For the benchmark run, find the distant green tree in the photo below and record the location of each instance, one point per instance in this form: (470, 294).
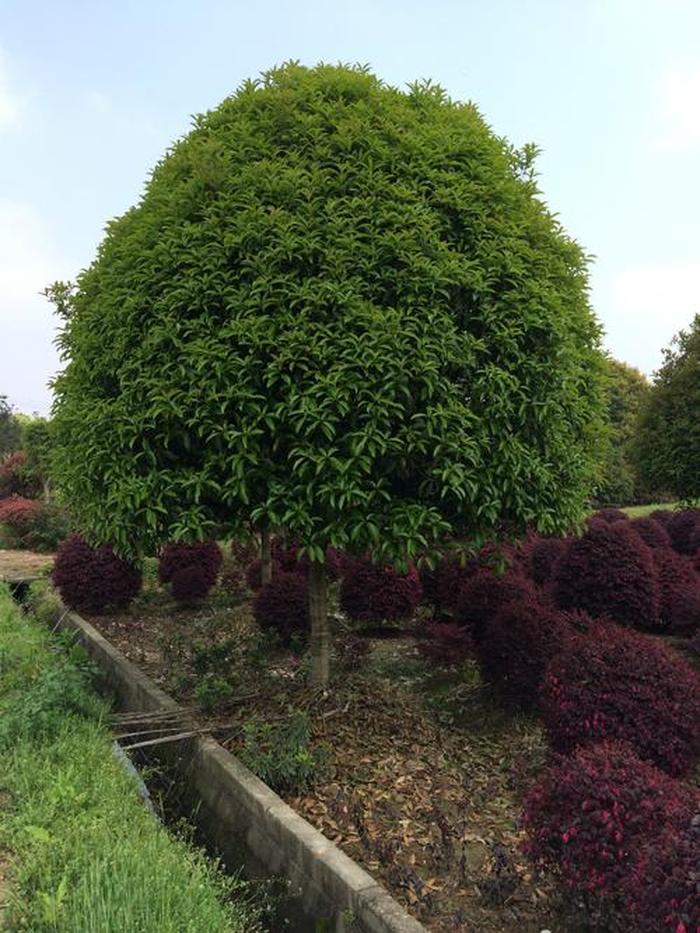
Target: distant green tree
(667, 446)
(9, 428)
(340, 310)
(37, 443)
(626, 392)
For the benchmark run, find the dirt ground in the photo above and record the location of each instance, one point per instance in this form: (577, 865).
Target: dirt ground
(14, 564)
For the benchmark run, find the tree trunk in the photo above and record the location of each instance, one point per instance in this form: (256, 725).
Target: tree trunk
(320, 635)
(47, 491)
(265, 556)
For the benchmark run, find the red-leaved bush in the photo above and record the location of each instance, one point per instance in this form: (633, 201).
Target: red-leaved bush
(663, 886)
(616, 683)
(446, 644)
(679, 586)
(543, 555)
(190, 569)
(19, 513)
(372, 593)
(609, 571)
(291, 561)
(14, 480)
(283, 605)
(652, 533)
(482, 596)
(610, 516)
(662, 516)
(91, 579)
(517, 646)
(590, 813)
(681, 528)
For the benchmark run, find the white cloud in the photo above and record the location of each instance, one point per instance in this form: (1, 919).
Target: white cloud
(9, 102)
(28, 262)
(646, 306)
(678, 109)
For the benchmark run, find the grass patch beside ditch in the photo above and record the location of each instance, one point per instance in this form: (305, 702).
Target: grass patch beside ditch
(84, 854)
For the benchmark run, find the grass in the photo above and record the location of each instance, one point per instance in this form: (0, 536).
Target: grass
(85, 855)
(638, 511)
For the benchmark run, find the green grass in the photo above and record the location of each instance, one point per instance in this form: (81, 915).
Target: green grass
(637, 511)
(85, 855)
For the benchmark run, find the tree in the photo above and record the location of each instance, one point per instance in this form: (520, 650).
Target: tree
(9, 428)
(667, 448)
(37, 441)
(626, 393)
(340, 310)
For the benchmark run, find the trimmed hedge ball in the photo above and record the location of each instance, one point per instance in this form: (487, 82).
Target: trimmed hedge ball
(609, 571)
(373, 594)
(616, 683)
(92, 579)
(485, 593)
(283, 605)
(590, 813)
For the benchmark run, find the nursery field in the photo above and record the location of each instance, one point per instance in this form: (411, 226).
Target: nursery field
(471, 710)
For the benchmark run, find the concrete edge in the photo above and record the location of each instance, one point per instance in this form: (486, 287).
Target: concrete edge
(238, 803)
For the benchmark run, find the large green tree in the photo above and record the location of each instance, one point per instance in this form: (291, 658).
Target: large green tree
(9, 428)
(667, 447)
(626, 391)
(341, 310)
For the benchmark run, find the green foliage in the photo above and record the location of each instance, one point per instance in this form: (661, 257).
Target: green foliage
(37, 443)
(626, 392)
(667, 449)
(86, 854)
(281, 755)
(338, 309)
(213, 692)
(9, 428)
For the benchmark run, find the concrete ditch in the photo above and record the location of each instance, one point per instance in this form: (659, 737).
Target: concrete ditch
(243, 820)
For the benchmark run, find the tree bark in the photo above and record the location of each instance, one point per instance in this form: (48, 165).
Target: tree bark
(320, 634)
(265, 556)
(47, 491)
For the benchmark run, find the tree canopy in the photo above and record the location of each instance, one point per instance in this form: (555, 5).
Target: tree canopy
(9, 428)
(338, 308)
(667, 447)
(626, 392)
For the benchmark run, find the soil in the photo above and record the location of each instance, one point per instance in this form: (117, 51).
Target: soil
(424, 769)
(15, 564)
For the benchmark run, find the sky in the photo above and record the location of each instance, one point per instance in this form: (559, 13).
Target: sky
(92, 92)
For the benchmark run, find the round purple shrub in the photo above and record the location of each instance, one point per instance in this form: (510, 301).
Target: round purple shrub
(694, 540)
(517, 646)
(662, 516)
(373, 594)
(291, 561)
(543, 554)
(681, 528)
(589, 813)
(610, 516)
(679, 587)
(92, 579)
(652, 533)
(609, 571)
(189, 584)
(283, 605)
(663, 888)
(615, 683)
(483, 595)
(196, 565)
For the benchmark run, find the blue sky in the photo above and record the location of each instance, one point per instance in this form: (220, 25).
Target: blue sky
(93, 91)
